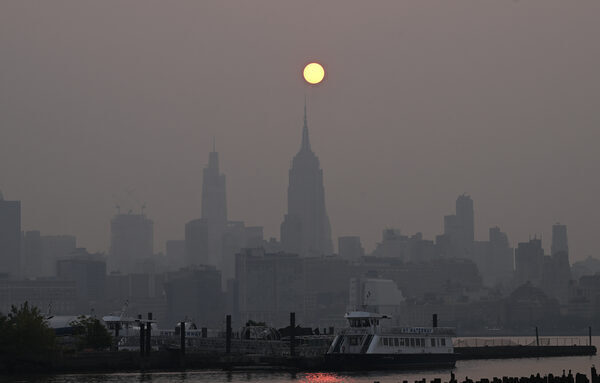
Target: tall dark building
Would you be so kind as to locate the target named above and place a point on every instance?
(459, 230)
(196, 242)
(214, 203)
(560, 244)
(529, 257)
(465, 218)
(131, 241)
(10, 237)
(306, 229)
(214, 208)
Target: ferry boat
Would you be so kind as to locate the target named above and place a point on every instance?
(367, 344)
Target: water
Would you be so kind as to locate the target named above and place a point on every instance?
(474, 369)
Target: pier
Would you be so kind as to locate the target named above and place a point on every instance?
(549, 378)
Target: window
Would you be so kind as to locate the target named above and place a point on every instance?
(432, 342)
(396, 342)
(401, 341)
(412, 342)
(406, 342)
(354, 341)
(385, 341)
(422, 342)
(443, 341)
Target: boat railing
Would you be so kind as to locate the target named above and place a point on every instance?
(449, 331)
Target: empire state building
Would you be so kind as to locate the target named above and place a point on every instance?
(305, 229)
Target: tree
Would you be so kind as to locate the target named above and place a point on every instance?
(91, 333)
(24, 337)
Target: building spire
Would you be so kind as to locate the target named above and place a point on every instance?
(305, 141)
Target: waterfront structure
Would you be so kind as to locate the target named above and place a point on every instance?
(10, 237)
(306, 229)
(131, 241)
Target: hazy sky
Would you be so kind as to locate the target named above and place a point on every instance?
(423, 100)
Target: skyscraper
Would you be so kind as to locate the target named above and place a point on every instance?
(306, 229)
(10, 236)
(214, 208)
(559, 239)
(465, 218)
(196, 242)
(214, 203)
(131, 241)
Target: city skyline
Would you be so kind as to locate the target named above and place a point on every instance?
(216, 192)
(401, 124)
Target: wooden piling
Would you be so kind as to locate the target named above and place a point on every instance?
(228, 335)
(293, 334)
(142, 339)
(182, 338)
(149, 335)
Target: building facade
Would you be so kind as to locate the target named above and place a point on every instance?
(306, 229)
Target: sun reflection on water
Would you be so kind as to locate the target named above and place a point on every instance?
(324, 377)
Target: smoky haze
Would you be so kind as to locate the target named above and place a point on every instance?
(105, 103)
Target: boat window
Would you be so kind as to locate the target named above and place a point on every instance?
(396, 342)
(443, 341)
(422, 342)
(432, 342)
(353, 341)
(412, 342)
(401, 341)
(385, 341)
(406, 342)
(418, 342)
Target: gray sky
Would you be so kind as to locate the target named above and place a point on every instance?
(423, 100)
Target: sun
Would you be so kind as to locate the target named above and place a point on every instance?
(314, 73)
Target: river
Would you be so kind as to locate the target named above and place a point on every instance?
(473, 369)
